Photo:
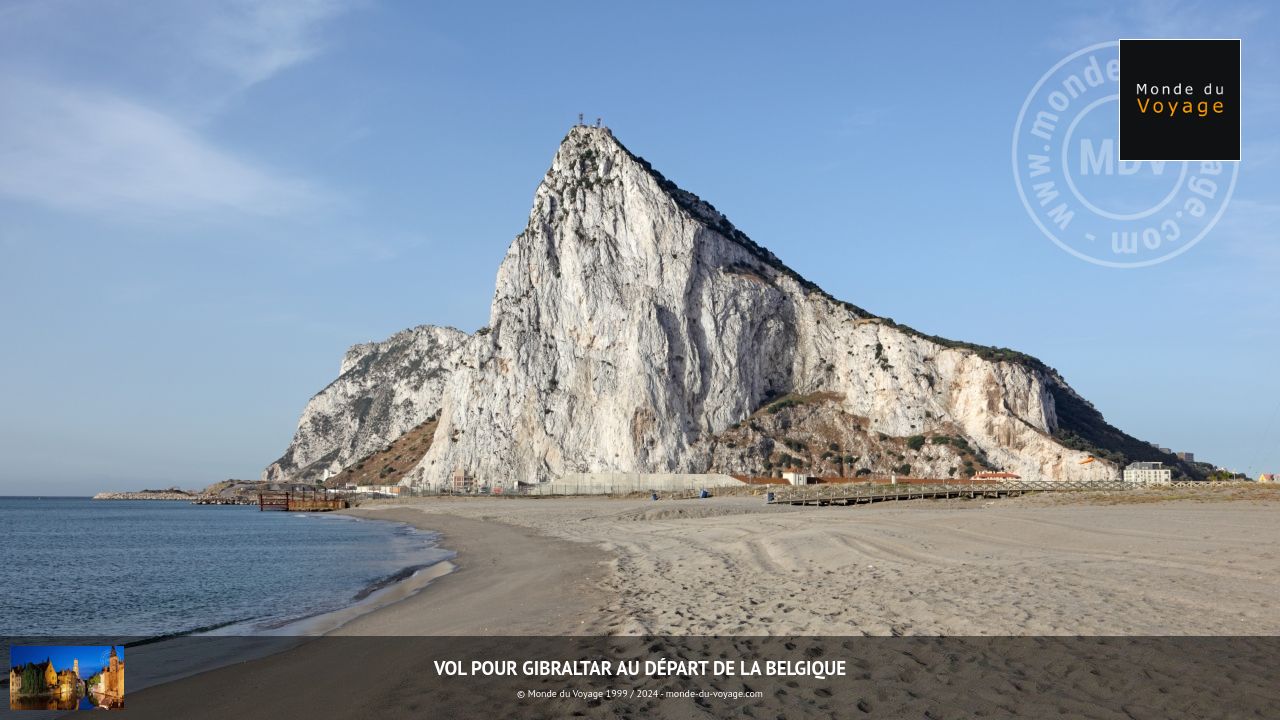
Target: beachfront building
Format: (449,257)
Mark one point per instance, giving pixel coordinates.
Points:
(1268,478)
(1148,473)
(390,490)
(997,476)
(795,476)
(462,482)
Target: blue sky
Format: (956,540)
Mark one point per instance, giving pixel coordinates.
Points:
(202,204)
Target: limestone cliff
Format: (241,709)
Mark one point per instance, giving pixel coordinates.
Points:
(633,328)
(383,390)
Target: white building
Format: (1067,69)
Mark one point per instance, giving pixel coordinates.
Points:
(384,490)
(1148,473)
(795,477)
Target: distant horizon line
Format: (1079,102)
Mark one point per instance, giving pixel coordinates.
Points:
(51,497)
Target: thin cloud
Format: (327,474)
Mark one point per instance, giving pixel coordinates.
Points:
(91,151)
(256,40)
(126,144)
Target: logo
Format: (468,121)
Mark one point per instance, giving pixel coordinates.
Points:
(1180,99)
(1082,196)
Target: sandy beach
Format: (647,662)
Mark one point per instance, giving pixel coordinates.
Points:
(505,583)
(1205,564)
(1029,566)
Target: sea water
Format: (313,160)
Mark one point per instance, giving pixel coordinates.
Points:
(75,566)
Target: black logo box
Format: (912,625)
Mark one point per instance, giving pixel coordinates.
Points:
(1186,67)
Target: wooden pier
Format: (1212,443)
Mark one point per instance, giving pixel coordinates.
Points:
(303,501)
(862,493)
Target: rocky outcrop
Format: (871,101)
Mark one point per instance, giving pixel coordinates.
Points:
(383,390)
(172,494)
(634,329)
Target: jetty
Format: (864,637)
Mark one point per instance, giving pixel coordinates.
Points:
(863,493)
(301,501)
(145,495)
(222,500)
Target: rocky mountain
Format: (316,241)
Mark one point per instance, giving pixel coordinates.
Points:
(383,390)
(633,328)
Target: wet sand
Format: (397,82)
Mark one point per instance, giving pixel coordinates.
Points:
(507,581)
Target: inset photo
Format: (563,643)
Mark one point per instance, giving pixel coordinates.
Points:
(66,677)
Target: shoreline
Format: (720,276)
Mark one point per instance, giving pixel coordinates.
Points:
(498,574)
(178,656)
(499,583)
(477,532)
(1021,572)
(379,593)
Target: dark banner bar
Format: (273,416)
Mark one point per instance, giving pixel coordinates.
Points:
(682,677)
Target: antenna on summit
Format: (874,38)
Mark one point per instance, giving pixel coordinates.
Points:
(580,119)
(597,122)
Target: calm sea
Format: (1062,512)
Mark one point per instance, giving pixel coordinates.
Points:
(74,566)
